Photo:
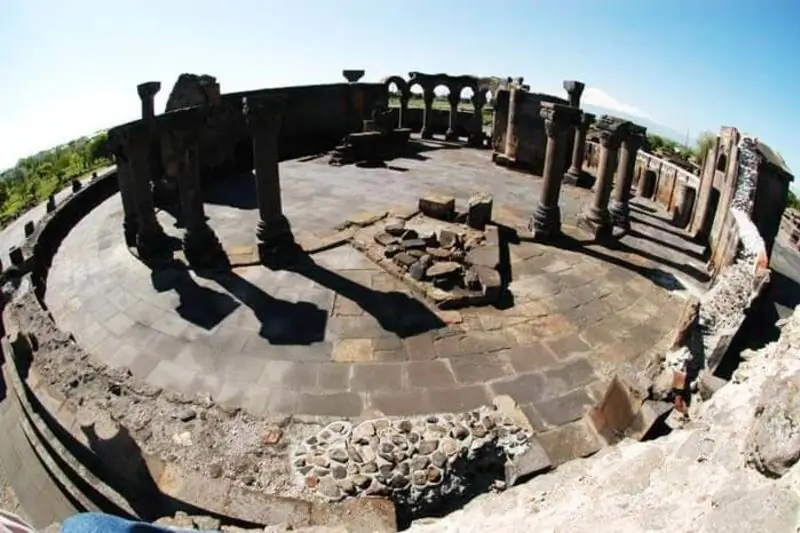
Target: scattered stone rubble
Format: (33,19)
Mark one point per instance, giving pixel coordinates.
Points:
(185,522)
(379,141)
(417,461)
(457,263)
(733,469)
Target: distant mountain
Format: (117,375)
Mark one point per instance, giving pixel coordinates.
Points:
(651,126)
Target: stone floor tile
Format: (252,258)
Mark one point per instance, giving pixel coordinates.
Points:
(378,377)
(334,376)
(401,403)
(458,399)
(353,350)
(530,357)
(523,388)
(345,404)
(568,346)
(568,376)
(429,374)
(119,323)
(171,376)
(240,367)
(566,408)
(480,368)
(198,357)
(420,347)
(282,401)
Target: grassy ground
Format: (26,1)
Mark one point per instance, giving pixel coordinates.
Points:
(442,104)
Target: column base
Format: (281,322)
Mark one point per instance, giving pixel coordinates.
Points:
(427,134)
(502,159)
(545,224)
(577,178)
(451,136)
(203,250)
(620,214)
(597,223)
(129,230)
(152,244)
(276,244)
(476,140)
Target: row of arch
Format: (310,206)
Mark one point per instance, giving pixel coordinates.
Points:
(477,91)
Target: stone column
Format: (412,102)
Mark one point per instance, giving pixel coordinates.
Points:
(130,224)
(620,204)
(147,93)
(558,120)
(404,97)
(151,241)
(596,217)
(511,128)
(453,98)
(201,247)
(476,136)
(575,173)
(704,214)
(274,233)
(427,114)
(575,91)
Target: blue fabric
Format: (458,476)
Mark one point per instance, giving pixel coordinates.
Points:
(105,523)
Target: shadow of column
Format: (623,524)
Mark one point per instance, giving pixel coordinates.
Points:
(396,312)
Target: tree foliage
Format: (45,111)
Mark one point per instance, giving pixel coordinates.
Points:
(36,177)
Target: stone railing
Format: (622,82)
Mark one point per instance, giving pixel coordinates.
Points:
(742,271)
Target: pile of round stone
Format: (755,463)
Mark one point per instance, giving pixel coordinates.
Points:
(414,460)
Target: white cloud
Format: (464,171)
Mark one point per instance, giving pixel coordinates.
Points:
(600,98)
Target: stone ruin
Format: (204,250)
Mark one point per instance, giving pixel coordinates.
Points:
(450,258)
(379,141)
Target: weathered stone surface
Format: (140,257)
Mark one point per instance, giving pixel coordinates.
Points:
(774,439)
(385,239)
(438,206)
(479,212)
(485,256)
(490,282)
(405,259)
(443,269)
(448,239)
(532,461)
(395,227)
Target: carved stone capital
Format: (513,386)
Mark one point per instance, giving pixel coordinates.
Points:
(587,119)
(148,89)
(633,136)
(352,75)
(479,99)
(574,90)
(558,118)
(453,98)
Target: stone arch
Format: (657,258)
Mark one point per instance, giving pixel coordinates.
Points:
(400,83)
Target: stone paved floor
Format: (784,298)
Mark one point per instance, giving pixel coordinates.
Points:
(340,337)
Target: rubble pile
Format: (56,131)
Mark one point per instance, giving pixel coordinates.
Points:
(461,260)
(418,462)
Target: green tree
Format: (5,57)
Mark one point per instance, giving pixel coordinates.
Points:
(705,141)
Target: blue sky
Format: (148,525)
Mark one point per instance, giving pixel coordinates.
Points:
(70,68)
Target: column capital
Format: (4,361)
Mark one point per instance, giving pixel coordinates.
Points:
(263,113)
(610,131)
(558,118)
(353,75)
(633,136)
(574,90)
(148,89)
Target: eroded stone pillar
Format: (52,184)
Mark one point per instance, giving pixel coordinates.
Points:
(147,93)
(274,233)
(575,174)
(151,241)
(511,128)
(632,140)
(130,224)
(401,114)
(558,120)
(596,217)
(574,91)
(476,135)
(427,114)
(453,99)
(201,247)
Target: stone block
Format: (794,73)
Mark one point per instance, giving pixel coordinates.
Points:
(569,442)
(448,239)
(76,185)
(484,256)
(51,203)
(443,270)
(506,405)
(490,281)
(683,327)
(30,227)
(479,212)
(438,206)
(615,412)
(650,412)
(532,461)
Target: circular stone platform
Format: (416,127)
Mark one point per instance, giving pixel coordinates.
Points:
(339,336)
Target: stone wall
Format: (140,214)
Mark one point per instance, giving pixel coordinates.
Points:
(529,138)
